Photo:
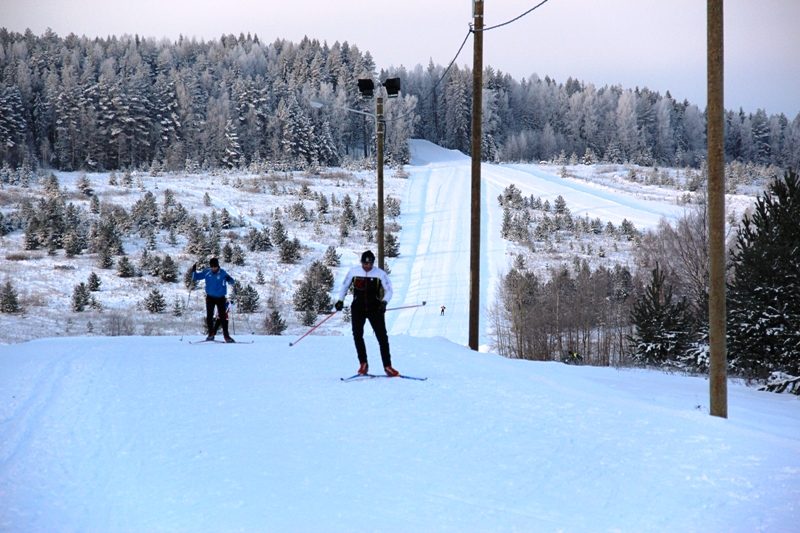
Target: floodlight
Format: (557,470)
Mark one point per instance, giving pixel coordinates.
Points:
(366,87)
(392,87)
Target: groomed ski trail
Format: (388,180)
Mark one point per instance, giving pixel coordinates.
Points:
(435,241)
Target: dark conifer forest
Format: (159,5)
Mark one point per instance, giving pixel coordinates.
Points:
(128,102)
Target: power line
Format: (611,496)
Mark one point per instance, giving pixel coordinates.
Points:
(460,48)
(516,18)
(433,89)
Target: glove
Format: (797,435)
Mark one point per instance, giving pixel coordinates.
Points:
(382,306)
(194,267)
(339,305)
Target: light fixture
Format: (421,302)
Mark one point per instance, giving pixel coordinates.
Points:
(392,86)
(366,87)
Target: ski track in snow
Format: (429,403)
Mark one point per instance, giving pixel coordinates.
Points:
(149,434)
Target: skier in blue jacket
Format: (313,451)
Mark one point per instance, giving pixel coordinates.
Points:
(216,296)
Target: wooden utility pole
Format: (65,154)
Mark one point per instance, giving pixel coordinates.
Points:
(381,125)
(475,235)
(718,365)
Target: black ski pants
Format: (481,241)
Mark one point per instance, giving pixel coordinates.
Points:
(219,303)
(377,321)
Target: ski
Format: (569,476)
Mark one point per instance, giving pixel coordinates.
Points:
(220,342)
(356,377)
(369,376)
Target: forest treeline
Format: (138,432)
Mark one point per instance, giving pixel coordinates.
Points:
(238,102)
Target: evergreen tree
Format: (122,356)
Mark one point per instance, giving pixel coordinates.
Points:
(80,297)
(227,252)
(237,255)
(105,259)
(663,329)
(247,299)
(188,281)
(764,295)
(274,323)
(308,317)
(304,297)
(331,258)
(93,283)
(155,302)
(279,234)
(391,245)
(9,300)
(177,307)
(124,268)
(169,270)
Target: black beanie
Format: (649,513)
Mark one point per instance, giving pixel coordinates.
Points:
(214,262)
(368,257)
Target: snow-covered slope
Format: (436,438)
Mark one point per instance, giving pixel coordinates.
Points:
(435,243)
(141,434)
(146,434)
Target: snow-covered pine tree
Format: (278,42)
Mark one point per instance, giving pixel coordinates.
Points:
(274,323)
(168,270)
(278,233)
(663,329)
(154,302)
(93,283)
(308,317)
(80,297)
(247,299)
(391,245)
(289,251)
(9,299)
(764,295)
(124,268)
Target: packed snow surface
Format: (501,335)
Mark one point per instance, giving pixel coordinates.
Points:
(143,434)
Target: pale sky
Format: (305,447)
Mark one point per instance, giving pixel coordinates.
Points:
(659,45)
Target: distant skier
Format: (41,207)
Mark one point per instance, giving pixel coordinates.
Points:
(216,290)
(442,313)
(372,291)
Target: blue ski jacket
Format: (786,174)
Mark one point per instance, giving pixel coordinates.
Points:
(216,284)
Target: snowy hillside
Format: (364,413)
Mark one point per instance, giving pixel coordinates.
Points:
(435,244)
(433,231)
(149,433)
(145,434)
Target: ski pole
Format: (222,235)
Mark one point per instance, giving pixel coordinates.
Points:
(407,306)
(185,311)
(312,329)
(247,320)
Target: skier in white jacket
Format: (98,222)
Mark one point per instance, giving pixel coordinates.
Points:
(372,291)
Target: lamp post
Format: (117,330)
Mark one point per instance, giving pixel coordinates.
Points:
(366,87)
